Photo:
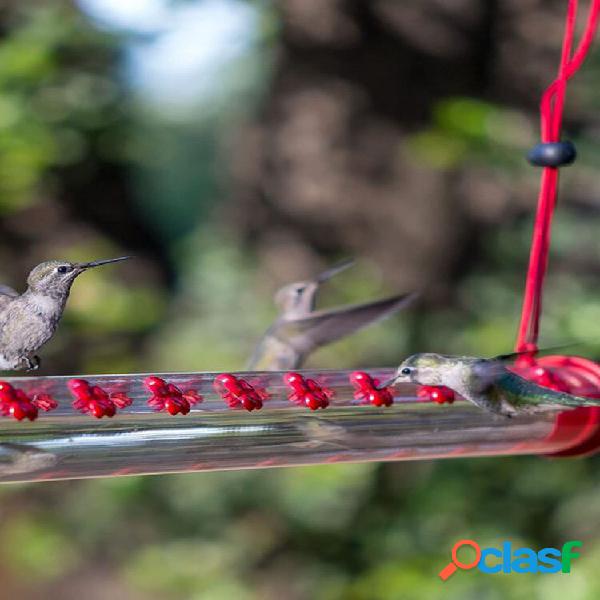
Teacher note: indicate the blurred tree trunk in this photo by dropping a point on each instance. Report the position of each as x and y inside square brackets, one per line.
[331, 165]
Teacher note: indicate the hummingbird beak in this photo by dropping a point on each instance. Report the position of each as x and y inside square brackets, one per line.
[387, 383]
[341, 266]
[99, 263]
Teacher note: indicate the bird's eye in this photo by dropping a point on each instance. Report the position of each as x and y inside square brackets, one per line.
[62, 269]
[406, 371]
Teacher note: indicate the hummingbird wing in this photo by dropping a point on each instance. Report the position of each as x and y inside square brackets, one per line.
[543, 351]
[273, 354]
[6, 295]
[489, 370]
[326, 326]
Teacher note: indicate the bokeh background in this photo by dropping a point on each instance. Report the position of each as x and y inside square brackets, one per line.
[233, 146]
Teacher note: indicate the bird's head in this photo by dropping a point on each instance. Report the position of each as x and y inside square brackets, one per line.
[424, 369]
[57, 276]
[298, 298]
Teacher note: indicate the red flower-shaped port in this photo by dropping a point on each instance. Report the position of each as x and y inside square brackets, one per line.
[169, 398]
[94, 400]
[17, 404]
[237, 392]
[439, 394]
[307, 392]
[366, 389]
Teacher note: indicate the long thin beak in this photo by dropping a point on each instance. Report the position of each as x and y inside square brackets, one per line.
[387, 383]
[99, 263]
[338, 268]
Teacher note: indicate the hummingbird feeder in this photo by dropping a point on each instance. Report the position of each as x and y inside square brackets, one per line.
[109, 425]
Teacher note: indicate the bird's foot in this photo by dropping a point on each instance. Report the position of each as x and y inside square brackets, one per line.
[33, 363]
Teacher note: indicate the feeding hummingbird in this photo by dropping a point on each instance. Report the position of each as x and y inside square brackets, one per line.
[299, 329]
[486, 382]
[28, 320]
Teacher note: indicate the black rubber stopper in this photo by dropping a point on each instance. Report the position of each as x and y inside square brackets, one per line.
[552, 154]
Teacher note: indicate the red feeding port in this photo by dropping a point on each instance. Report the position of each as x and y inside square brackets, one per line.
[95, 401]
[239, 393]
[17, 404]
[439, 394]
[367, 391]
[307, 392]
[169, 398]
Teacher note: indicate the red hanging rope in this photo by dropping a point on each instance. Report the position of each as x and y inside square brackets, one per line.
[551, 108]
[579, 429]
[580, 376]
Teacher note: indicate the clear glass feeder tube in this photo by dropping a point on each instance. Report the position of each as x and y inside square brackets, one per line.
[65, 444]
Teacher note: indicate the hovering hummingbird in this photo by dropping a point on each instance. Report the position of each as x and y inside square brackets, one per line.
[299, 329]
[486, 382]
[28, 320]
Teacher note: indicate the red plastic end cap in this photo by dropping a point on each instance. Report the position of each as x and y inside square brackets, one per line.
[577, 430]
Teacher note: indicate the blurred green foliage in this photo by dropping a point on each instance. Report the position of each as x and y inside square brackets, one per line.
[353, 532]
[47, 105]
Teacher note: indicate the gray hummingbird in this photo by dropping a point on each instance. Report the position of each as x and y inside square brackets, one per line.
[486, 382]
[28, 320]
[300, 329]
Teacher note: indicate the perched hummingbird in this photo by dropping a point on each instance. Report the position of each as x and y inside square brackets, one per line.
[486, 382]
[299, 329]
[28, 320]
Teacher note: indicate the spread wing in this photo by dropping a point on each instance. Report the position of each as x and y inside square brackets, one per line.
[6, 295]
[326, 326]
[538, 352]
[489, 370]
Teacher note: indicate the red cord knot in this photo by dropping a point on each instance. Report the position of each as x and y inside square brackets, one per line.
[17, 404]
[366, 389]
[438, 394]
[169, 398]
[238, 392]
[307, 392]
[95, 401]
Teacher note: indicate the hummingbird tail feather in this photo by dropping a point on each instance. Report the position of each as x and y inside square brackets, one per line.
[568, 400]
[524, 392]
